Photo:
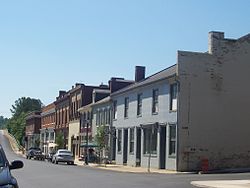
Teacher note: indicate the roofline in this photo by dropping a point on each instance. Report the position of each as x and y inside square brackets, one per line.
[129, 88]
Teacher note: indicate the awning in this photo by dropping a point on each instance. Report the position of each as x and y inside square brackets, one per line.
[52, 145]
[90, 145]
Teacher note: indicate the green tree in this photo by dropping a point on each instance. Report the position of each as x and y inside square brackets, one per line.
[3, 122]
[25, 105]
[100, 137]
[101, 141]
[16, 124]
[60, 140]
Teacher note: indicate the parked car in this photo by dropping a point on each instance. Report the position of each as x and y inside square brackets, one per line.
[35, 153]
[6, 179]
[63, 155]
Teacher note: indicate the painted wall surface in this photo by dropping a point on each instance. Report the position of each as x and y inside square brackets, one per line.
[95, 108]
[164, 117]
[213, 111]
[74, 128]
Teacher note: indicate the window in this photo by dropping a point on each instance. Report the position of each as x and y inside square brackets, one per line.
[88, 116]
[115, 110]
[119, 141]
[150, 140]
[139, 104]
[173, 97]
[108, 116]
[172, 140]
[105, 116]
[47, 136]
[131, 140]
[97, 117]
[101, 117]
[126, 106]
[155, 106]
[52, 136]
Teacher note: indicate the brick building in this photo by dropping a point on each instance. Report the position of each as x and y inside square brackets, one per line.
[80, 95]
[47, 131]
[62, 116]
[32, 129]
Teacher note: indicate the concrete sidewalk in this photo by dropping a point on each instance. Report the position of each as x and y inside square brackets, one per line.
[223, 184]
[122, 168]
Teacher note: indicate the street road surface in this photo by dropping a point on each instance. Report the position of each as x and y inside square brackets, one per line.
[40, 174]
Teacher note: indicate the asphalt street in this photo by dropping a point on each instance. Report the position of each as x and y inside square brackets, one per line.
[40, 174]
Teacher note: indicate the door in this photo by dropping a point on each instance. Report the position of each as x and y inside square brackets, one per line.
[163, 147]
[125, 146]
[138, 147]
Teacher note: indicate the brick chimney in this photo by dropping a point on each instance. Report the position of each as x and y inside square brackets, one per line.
[139, 73]
[215, 39]
[61, 93]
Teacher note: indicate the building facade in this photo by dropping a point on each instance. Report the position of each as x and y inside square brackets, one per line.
[32, 128]
[102, 118]
[47, 131]
[213, 105]
[145, 122]
[81, 95]
[62, 117]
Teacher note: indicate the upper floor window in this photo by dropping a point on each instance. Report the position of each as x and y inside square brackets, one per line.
[139, 104]
[52, 136]
[155, 105]
[126, 106]
[108, 116]
[173, 96]
[115, 110]
[97, 117]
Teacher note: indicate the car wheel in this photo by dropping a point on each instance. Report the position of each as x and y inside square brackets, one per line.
[72, 163]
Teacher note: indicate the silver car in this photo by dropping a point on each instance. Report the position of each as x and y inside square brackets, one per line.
[63, 155]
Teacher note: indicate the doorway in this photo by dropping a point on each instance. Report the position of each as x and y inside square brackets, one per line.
[163, 147]
[125, 146]
[138, 147]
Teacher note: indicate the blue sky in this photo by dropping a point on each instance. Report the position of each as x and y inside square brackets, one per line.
[49, 45]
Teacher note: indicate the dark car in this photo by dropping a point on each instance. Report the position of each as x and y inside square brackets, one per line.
[35, 153]
[6, 179]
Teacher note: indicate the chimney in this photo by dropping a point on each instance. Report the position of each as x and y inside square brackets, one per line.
[61, 93]
[215, 42]
[139, 73]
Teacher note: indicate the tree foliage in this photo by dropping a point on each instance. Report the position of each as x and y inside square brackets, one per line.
[25, 105]
[100, 137]
[60, 140]
[16, 124]
[3, 122]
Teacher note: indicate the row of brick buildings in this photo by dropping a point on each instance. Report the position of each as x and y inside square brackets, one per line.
[63, 116]
[191, 114]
